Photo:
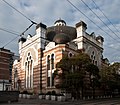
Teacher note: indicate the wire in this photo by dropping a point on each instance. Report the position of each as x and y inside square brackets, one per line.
[19, 12]
[112, 48]
[14, 33]
[100, 19]
[26, 29]
[10, 41]
[91, 20]
[105, 15]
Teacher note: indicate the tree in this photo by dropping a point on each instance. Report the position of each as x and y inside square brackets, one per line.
[72, 72]
[115, 71]
[94, 77]
[110, 78]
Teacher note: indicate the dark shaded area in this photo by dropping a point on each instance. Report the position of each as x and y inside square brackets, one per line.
[67, 33]
[9, 96]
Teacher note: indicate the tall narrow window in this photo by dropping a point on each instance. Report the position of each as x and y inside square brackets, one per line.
[48, 71]
[25, 74]
[52, 61]
[93, 58]
[29, 72]
[48, 62]
[15, 79]
[52, 67]
[52, 77]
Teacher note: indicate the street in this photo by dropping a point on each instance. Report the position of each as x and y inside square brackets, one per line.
[112, 101]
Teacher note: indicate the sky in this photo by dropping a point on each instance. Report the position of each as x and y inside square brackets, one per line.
[105, 23]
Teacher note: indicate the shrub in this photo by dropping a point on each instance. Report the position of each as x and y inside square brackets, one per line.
[48, 93]
[25, 92]
[41, 94]
[53, 92]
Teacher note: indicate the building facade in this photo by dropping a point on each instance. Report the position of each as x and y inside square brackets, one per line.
[41, 52]
[6, 62]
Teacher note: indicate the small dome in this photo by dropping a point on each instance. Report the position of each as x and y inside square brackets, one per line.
[61, 38]
[60, 23]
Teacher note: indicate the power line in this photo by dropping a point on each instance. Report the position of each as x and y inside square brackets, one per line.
[105, 15]
[14, 33]
[27, 29]
[10, 41]
[112, 48]
[19, 12]
[100, 19]
[90, 19]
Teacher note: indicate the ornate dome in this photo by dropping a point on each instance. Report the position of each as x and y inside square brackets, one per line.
[55, 30]
[61, 38]
[60, 33]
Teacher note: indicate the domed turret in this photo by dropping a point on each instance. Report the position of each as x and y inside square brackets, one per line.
[60, 23]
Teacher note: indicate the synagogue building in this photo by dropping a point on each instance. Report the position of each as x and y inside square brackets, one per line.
[40, 53]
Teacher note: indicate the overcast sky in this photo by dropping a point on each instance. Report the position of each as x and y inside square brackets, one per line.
[48, 11]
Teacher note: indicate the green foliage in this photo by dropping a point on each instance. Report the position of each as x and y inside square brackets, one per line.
[110, 77]
[74, 72]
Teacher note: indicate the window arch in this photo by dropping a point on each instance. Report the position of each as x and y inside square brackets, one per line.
[52, 61]
[15, 78]
[93, 57]
[29, 71]
[48, 62]
[50, 70]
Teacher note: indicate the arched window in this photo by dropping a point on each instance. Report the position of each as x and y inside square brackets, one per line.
[52, 67]
[50, 70]
[48, 62]
[29, 71]
[52, 61]
[15, 78]
[93, 58]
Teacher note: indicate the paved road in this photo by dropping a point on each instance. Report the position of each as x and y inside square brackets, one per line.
[115, 101]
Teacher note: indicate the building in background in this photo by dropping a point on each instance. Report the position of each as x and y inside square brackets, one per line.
[6, 62]
[41, 52]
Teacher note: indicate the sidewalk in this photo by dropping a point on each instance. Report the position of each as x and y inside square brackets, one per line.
[50, 102]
